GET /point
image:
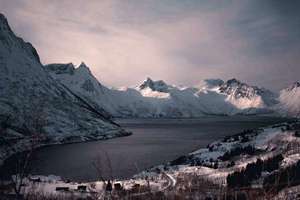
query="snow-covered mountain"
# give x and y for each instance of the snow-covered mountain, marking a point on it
(244, 96)
(159, 99)
(28, 94)
(290, 100)
(82, 83)
(158, 86)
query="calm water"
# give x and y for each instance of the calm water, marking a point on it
(153, 142)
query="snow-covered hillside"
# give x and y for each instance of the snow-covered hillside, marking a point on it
(32, 102)
(262, 162)
(290, 100)
(158, 99)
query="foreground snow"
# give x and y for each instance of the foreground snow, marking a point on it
(199, 165)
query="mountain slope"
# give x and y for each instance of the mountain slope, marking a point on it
(82, 83)
(290, 100)
(28, 95)
(244, 96)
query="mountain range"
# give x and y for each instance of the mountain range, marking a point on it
(159, 99)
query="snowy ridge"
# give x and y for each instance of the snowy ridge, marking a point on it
(159, 86)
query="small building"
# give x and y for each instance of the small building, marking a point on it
(118, 186)
(82, 188)
(63, 189)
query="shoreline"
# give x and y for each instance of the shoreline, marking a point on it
(165, 163)
(44, 145)
(168, 176)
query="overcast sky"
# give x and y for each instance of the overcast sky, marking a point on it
(179, 41)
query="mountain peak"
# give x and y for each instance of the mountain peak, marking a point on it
(239, 89)
(233, 81)
(84, 67)
(9, 40)
(4, 23)
(159, 85)
(294, 86)
(82, 64)
(148, 81)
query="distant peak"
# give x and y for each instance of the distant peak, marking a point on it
(233, 81)
(294, 86)
(297, 84)
(239, 89)
(148, 81)
(159, 85)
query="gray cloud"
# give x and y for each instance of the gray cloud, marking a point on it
(181, 42)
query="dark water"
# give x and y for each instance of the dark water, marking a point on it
(154, 141)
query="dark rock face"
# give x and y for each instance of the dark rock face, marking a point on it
(88, 86)
(239, 90)
(61, 68)
(159, 86)
(4, 26)
(293, 86)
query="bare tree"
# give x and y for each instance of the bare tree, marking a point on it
(103, 167)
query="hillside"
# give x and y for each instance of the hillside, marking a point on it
(34, 105)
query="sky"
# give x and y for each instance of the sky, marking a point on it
(179, 41)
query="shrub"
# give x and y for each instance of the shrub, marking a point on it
(249, 150)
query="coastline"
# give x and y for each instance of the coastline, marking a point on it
(23, 145)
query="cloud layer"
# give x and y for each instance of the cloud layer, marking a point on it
(182, 42)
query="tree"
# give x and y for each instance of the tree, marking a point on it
(103, 167)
